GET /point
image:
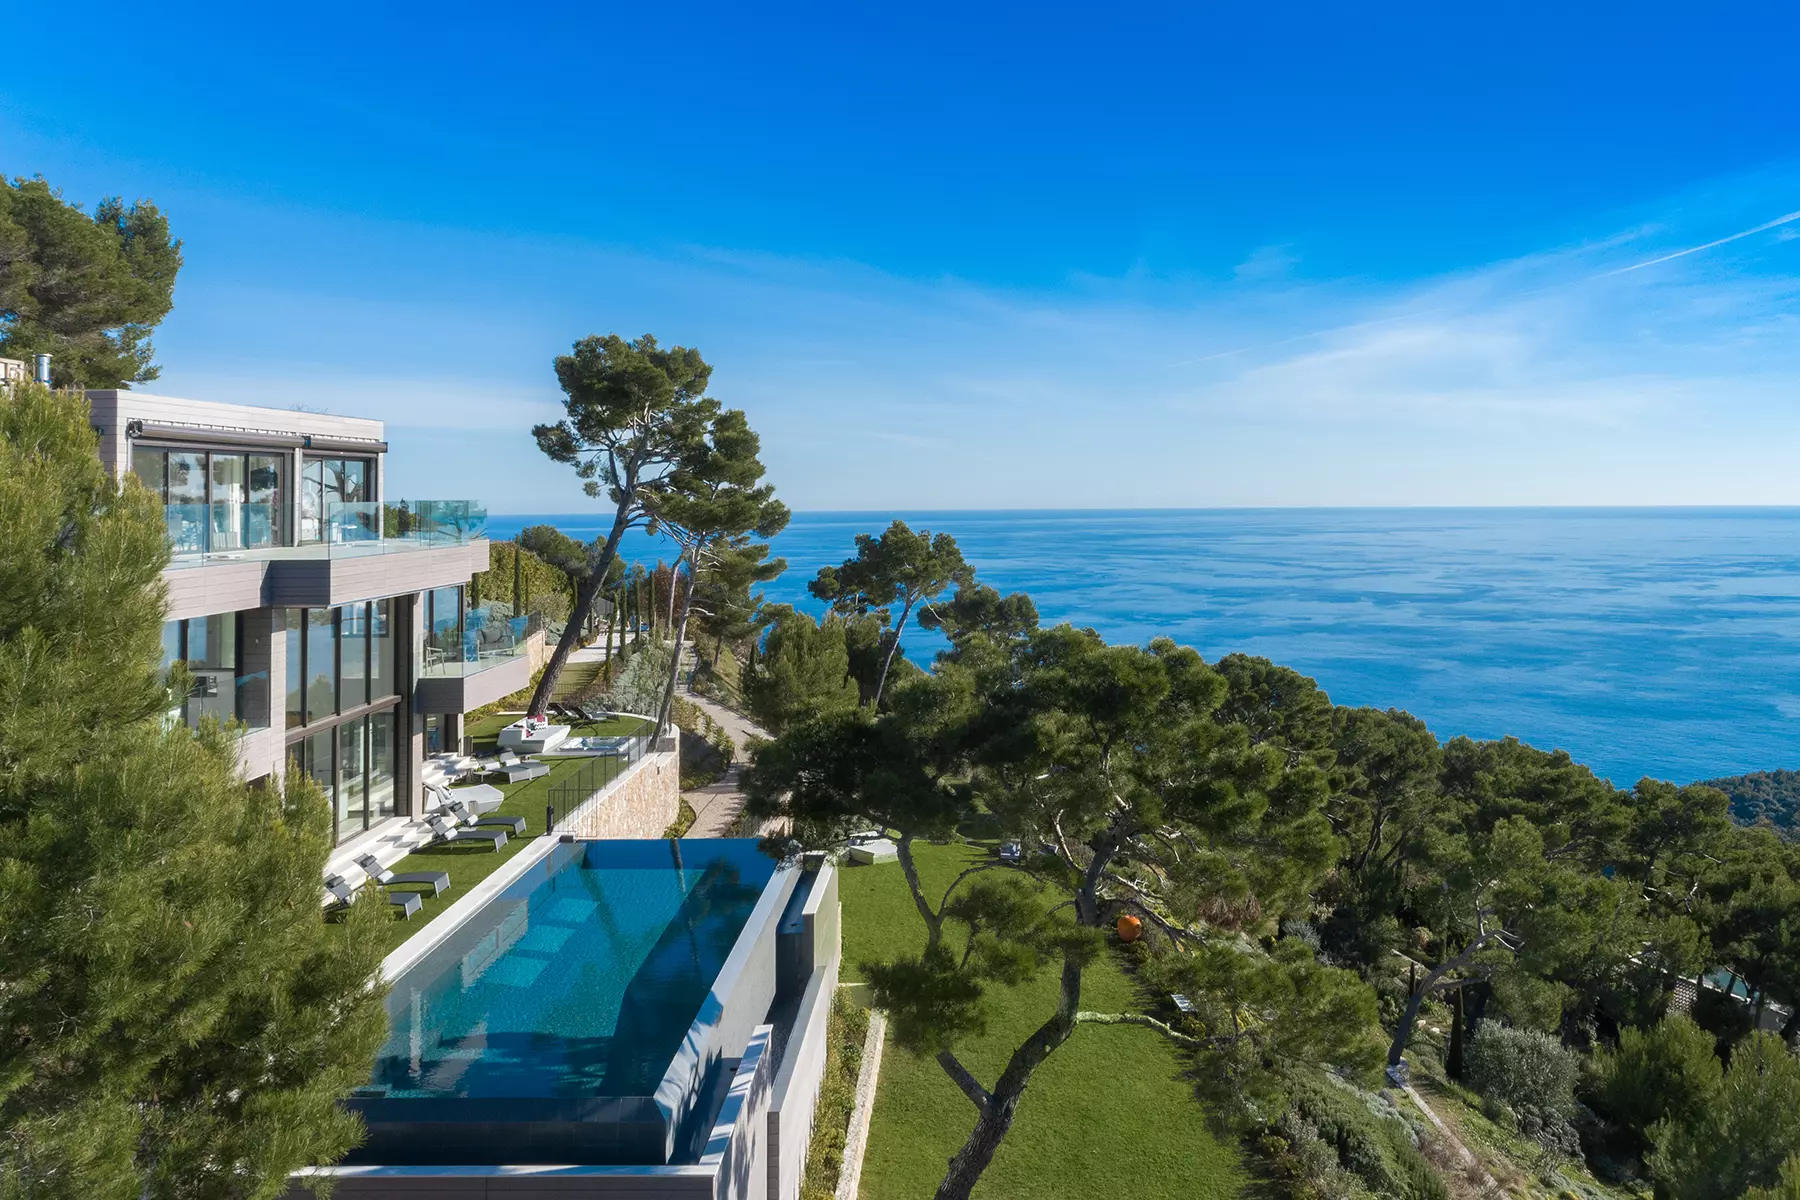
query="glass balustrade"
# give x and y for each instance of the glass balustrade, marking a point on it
(490, 636)
(204, 530)
(201, 533)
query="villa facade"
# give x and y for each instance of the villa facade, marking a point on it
(327, 616)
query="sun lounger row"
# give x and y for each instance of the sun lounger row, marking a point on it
(462, 815)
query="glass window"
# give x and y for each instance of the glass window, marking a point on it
(262, 516)
(171, 643)
(186, 500)
(353, 648)
(321, 764)
(312, 506)
(444, 642)
(434, 733)
(148, 466)
(381, 766)
(381, 651)
(227, 500)
(296, 671)
(321, 663)
(355, 480)
(352, 806)
(212, 641)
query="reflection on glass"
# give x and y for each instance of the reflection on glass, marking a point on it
(262, 520)
(321, 663)
(321, 764)
(353, 650)
(355, 476)
(253, 700)
(227, 500)
(352, 806)
(212, 641)
(296, 673)
(444, 642)
(148, 466)
(312, 500)
(381, 651)
(186, 499)
(381, 766)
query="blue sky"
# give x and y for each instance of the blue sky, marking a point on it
(1035, 256)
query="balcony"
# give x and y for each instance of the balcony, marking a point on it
(492, 658)
(226, 556)
(200, 534)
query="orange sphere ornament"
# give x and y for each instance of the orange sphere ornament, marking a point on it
(1130, 928)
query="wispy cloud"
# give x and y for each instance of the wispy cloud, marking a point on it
(1576, 374)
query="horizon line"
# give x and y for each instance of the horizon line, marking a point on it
(1256, 508)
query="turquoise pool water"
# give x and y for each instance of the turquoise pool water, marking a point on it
(580, 985)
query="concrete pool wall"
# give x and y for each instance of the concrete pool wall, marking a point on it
(754, 1147)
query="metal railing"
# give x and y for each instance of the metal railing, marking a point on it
(576, 789)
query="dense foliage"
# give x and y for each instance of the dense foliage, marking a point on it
(803, 670)
(1298, 868)
(88, 290)
(175, 1018)
(1771, 797)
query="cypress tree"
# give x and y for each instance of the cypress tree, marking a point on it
(176, 1019)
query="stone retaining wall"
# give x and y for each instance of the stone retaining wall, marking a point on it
(641, 803)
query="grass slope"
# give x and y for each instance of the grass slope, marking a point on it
(575, 678)
(1108, 1115)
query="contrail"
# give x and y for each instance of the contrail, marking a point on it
(1319, 333)
(1763, 228)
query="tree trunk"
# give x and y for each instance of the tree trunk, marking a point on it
(1403, 1035)
(934, 927)
(668, 702)
(612, 623)
(996, 1115)
(881, 681)
(1453, 1061)
(584, 602)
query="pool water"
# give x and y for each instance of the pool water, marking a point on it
(582, 984)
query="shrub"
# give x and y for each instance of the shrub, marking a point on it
(1668, 1070)
(1377, 1149)
(640, 684)
(1531, 1073)
(1786, 1188)
(845, 1030)
(1741, 1136)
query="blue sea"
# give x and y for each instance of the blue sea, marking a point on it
(1661, 642)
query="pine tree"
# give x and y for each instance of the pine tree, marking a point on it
(176, 1019)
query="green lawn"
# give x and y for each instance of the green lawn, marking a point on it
(469, 864)
(1108, 1115)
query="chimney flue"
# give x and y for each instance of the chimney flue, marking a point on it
(40, 366)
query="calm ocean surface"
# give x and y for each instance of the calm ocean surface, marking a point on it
(1659, 642)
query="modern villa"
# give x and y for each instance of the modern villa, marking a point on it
(608, 1013)
(328, 616)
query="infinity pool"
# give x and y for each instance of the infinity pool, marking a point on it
(582, 987)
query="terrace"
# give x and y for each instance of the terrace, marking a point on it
(231, 531)
(468, 865)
